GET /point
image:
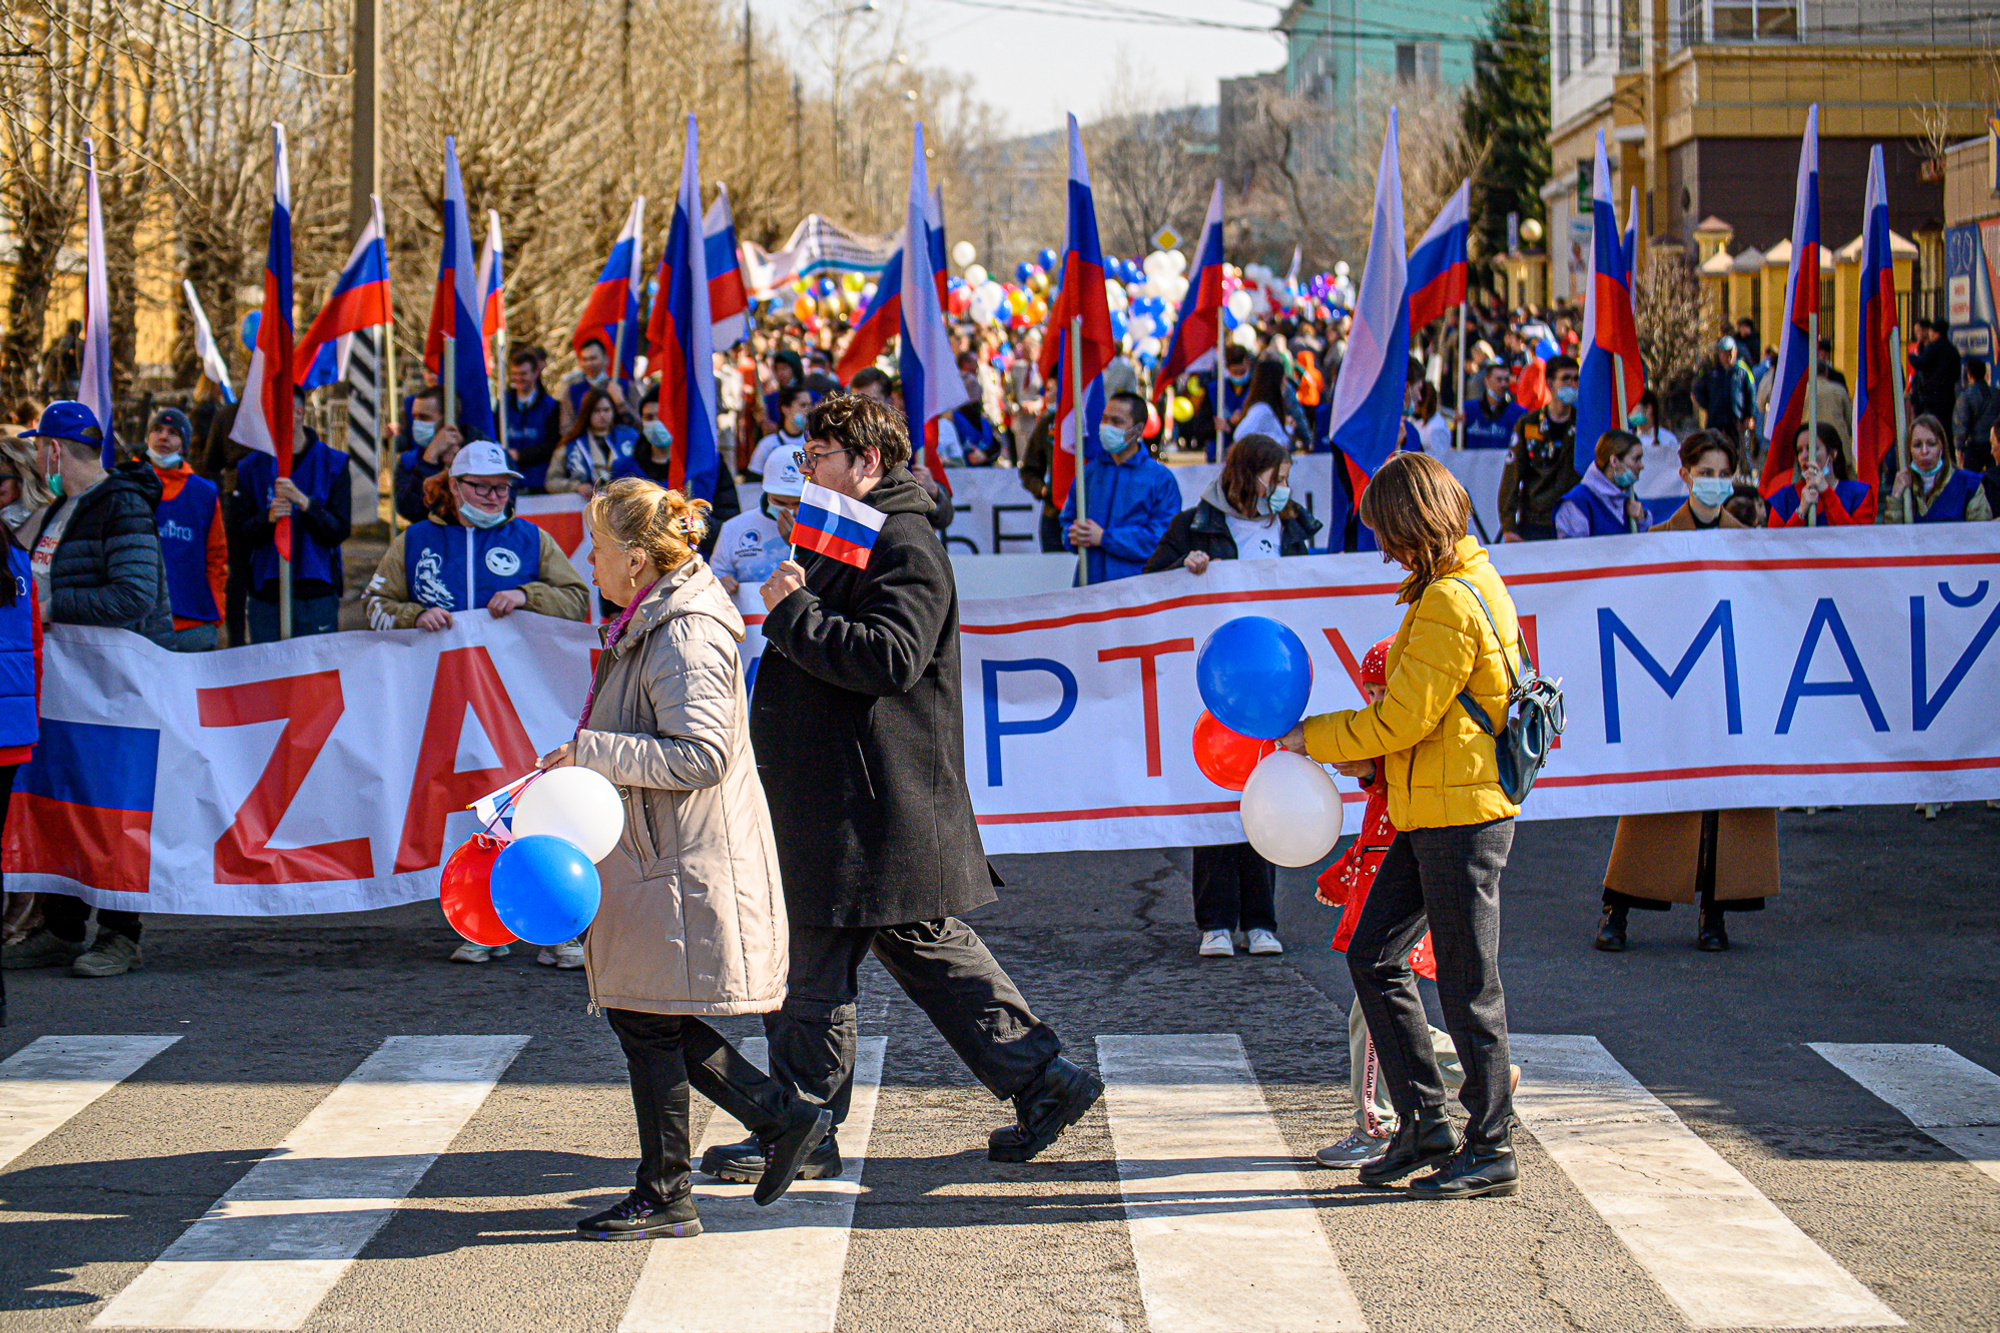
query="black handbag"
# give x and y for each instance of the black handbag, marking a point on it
(1534, 714)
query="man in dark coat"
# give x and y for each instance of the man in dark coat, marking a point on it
(860, 739)
(1934, 372)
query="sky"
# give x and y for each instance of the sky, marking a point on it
(1033, 65)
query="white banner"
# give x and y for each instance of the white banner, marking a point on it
(1702, 670)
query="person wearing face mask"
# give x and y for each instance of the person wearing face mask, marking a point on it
(595, 444)
(971, 432)
(753, 545)
(433, 445)
(1541, 469)
(652, 460)
(1660, 486)
(1708, 470)
(24, 491)
(1235, 391)
(534, 421)
(1133, 497)
(193, 540)
(1602, 504)
(1937, 491)
(1823, 483)
(794, 401)
(1245, 514)
(1490, 419)
(1263, 409)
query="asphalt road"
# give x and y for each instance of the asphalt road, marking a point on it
(1885, 933)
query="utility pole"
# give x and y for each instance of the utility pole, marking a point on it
(365, 152)
(749, 86)
(625, 64)
(799, 142)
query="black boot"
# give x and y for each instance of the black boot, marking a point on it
(1611, 929)
(807, 1126)
(1420, 1141)
(1713, 936)
(639, 1216)
(1057, 1099)
(1475, 1170)
(744, 1162)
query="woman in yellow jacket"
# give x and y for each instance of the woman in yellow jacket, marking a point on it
(1456, 825)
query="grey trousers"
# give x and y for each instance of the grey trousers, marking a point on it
(1365, 1081)
(1449, 877)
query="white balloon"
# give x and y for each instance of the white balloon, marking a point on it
(1240, 303)
(1114, 293)
(1138, 327)
(975, 275)
(1149, 346)
(963, 254)
(575, 804)
(1154, 264)
(1245, 337)
(1341, 270)
(1292, 812)
(1176, 263)
(868, 290)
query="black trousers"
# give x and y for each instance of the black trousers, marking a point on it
(942, 965)
(1234, 889)
(66, 918)
(664, 1054)
(1450, 879)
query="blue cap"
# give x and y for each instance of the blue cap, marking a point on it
(67, 421)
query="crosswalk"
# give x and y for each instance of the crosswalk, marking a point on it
(1227, 1223)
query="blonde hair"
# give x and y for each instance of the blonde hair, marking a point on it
(641, 515)
(1419, 514)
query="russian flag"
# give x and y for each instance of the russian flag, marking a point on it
(492, 278)
(836, 526)
(1631, 248)
(455, 311)
(1875, 384)
(931, 383)
(83, 806)
(1081, 296)
(1438, 271)
(728, 303)
(264, 421)
(1191, 346)
(1366, 417)
(1610, 339)
(879, 322)
(94, 386)
(614, 301)
(1797, 357)
(360, 299)
(681, 337)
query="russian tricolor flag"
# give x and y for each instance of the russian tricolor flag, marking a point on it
(1191, 347)
(1797, 358)
(1876, 382)
(1438, 271)
(614, 301)
(83, 806)
(681, 337)
(1366, 419)
(882, 318)
(360, 299)
(931, 383)
(1081, 296)
(1610, 339)
(212, 363)
(455, 311)
(728, 303)
(94, 386)
(264, 421)
(492, 279)
(836, 526)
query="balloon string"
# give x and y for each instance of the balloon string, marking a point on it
(500, 808)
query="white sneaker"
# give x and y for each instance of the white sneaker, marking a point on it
(567, 956)
(478, 953)
(1217, 944)
(1264, 942)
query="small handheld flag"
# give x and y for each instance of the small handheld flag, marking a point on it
(836, 526)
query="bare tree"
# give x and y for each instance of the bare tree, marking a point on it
(1674, 331)
(1151, 165)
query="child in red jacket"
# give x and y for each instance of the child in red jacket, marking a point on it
(1345, 885)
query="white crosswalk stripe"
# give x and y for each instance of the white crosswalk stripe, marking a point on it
(796, 1249)
(1938, 1090)
(269, 1250)
(49, 1080)
(1223, 1230)
(1718, 1248)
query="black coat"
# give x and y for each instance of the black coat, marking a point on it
(1205, 528)
(1934, 378)
(107, 568)
(860, 732)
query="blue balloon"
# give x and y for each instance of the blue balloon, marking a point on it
(1046, 258)
(827, 287)
(1253, 674)
(1023, 271)
(545, 889)
(1118, 323)
(251, 323)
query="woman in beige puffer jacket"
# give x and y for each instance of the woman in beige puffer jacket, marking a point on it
(692, 922)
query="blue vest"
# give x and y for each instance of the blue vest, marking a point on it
(460, 568)
(1604, 520)
(526, 428)
(185, 522)
(19, 716)
(316, 471)
(624, 442)
(1949, 507)
(1490, 432)
(1851, 494)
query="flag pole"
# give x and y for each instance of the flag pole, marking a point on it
(385, 416)
(500, 364)
(1812, 392)
(451, 381)
(1902, 427)
(285, 554)
(1458, 428)
(1075, 369)
(1624, 416)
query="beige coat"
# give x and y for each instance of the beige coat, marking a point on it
(693, 917)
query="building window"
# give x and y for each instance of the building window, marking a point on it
(1561, 12)
(1417, 63)
(1629, 33)
(1587, 12)
(1738, 21)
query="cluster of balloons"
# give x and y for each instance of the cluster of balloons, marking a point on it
(1255, 677)
(810, 300)
(541, 887)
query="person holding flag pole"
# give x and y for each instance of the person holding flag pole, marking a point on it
(1880, 405)
(1794, 396)
(1611, 377)
(455, 318)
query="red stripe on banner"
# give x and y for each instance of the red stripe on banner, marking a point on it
(1176, 603)
(1136, 811)
(1774, 771)
(110, 850)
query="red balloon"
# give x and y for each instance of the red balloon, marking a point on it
(467, 894)
(1225, 758)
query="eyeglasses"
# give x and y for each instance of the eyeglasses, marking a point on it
(808, 460)
(487, 490)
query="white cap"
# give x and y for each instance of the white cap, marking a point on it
(482, 458)
(783, 476)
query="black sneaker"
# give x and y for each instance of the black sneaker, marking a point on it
(809, 1126)
(639, 1216)
(1057, 1099)
(1418, 1143)
(1611, 930)
(744, 1162)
